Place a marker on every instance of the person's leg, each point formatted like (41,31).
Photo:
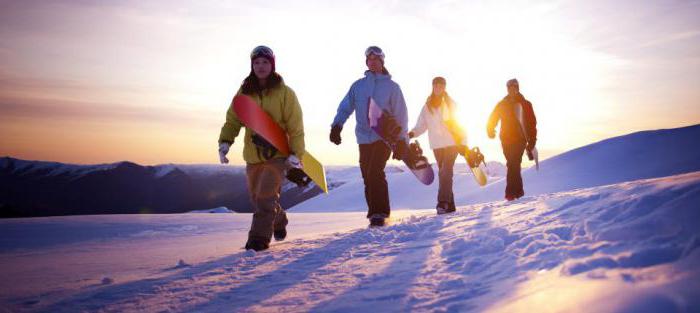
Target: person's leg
(373,160)
(514,157)
(265,180)
(365,157)
(440,160)
(447,174)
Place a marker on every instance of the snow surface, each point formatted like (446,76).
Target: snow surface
(628,247)
(635,156)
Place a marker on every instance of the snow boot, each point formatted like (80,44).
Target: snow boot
(257,244)
(377,220)
(280,234)
(444,208)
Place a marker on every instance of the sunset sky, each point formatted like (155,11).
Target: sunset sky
(150,81)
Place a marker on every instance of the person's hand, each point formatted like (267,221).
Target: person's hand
(531,145)
(223,151)
(491,133)
(335,134)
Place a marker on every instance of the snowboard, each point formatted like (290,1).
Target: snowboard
(474,158)
(521,120)
(423,171)
(255,118)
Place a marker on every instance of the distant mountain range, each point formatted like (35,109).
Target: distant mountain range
(36,188)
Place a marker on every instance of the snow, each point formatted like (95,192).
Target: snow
(610,227)
(624,247)
(635,156)
(222,209)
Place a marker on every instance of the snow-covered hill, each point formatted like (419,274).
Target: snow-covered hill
(628,247)
(639,155)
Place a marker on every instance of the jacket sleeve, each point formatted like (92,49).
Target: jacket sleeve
(530,122)
(494,118)
(232,126)
(294,122)
(421,124)
(346,108)
(399,110)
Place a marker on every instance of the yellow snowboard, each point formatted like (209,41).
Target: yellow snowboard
(314,169)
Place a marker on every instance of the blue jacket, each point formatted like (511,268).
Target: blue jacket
(385,92)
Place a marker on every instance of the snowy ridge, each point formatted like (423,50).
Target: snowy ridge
(618,248)
(635,156)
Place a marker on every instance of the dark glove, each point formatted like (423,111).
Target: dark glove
(335,134)
(401,150)
(411,135)
(390,127)
(491,133)
(531,145)
(298,177)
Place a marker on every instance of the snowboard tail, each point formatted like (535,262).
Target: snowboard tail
(255,118)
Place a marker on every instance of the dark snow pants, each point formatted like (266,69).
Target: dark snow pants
(514,156)
(264,183)
(445,158)
(373,158)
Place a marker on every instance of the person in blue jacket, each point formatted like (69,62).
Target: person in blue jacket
(374,153)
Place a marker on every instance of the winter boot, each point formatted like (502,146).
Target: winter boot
(453,207)
(377,220)
(444,208)
(257,244)
(280,234)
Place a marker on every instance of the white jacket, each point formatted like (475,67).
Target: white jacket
(435,123)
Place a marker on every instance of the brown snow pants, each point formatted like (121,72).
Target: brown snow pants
(264,183)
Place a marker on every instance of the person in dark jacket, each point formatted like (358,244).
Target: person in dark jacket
(518,134)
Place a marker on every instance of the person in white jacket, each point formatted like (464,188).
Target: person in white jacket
(438,118)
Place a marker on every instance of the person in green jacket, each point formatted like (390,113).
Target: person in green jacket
(265,166)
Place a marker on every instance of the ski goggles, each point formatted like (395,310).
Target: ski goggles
(376,51)
(262,51)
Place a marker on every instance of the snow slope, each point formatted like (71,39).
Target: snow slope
(639,155)
(627,247)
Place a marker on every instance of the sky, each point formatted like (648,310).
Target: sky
(150,82)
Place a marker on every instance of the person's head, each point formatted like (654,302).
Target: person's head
(262,71)
(513,87)
(439,84)
(262,62)
(374,58)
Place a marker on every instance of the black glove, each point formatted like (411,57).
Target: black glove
(401,150)
(390,127)
(335,134)
(531,145)
(297,176)
(411,135)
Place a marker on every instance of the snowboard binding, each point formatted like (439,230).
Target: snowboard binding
(420,160)
(475,157)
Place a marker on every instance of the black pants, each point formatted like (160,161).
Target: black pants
(514,156)
(373,157)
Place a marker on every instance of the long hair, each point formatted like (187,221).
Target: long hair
(433,102)
(251,84)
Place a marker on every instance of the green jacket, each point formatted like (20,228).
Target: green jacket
(282,105)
